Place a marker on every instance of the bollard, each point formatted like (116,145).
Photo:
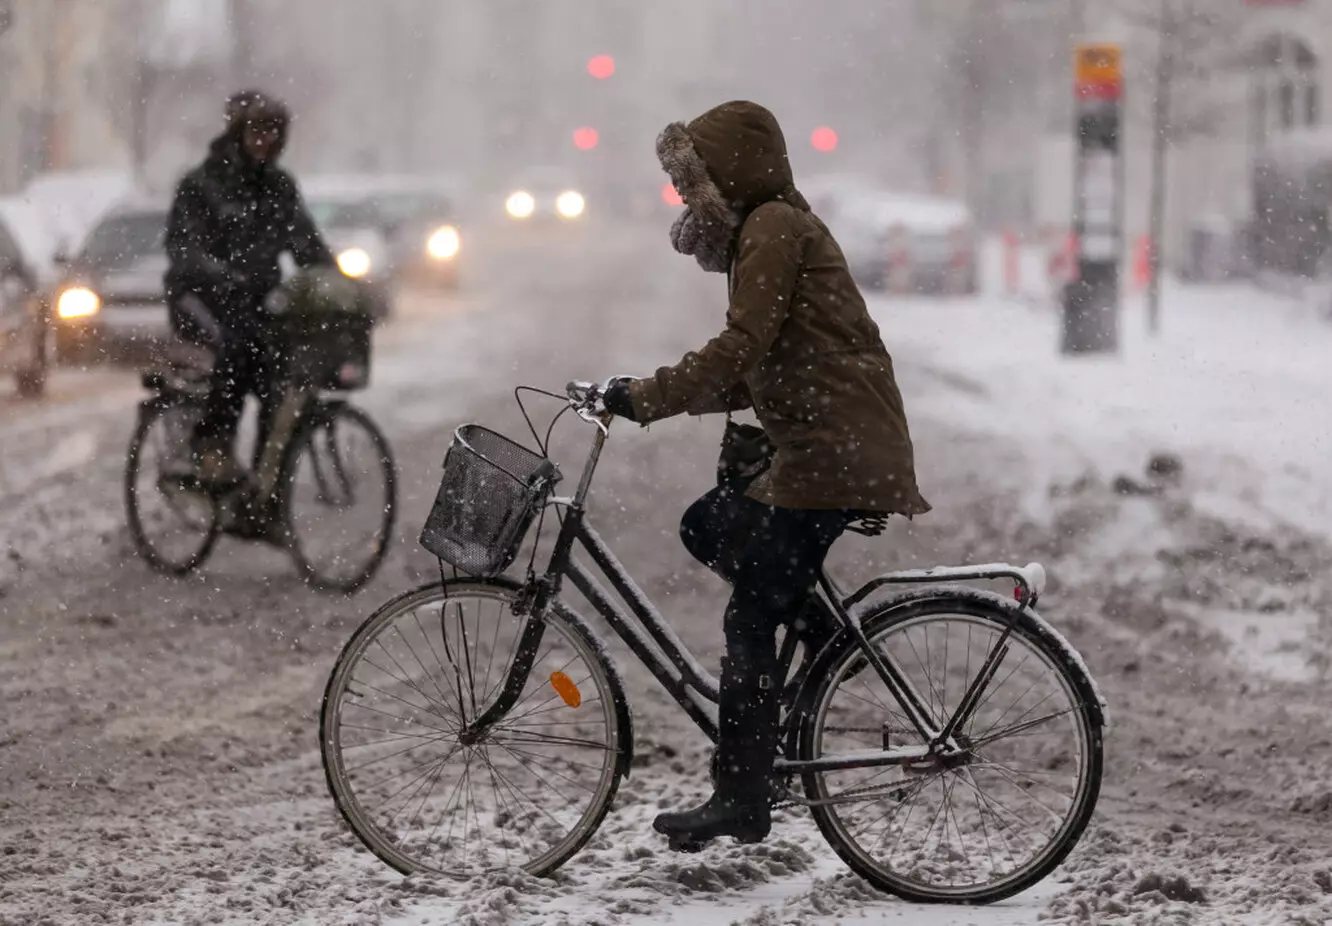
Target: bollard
(1142,262)
(1012,262)
(899,261)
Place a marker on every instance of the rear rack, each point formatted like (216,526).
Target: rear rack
(1029,580)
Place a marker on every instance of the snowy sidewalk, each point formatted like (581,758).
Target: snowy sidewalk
(1236,384)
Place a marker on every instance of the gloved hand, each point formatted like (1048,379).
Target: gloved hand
(617,400)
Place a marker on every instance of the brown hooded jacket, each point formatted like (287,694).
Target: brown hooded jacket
(799,346)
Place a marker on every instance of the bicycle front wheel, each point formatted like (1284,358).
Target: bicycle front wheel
(427,793)
(340,499)
(972,828)
(172,520)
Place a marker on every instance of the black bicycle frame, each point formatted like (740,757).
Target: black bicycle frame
(660,649)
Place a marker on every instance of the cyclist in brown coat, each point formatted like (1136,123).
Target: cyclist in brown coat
(801,350)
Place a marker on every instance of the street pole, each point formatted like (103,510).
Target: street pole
(1165,39)
(1091,302)
(973,114)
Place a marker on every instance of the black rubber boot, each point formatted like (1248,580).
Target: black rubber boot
(693,829)
(747,715)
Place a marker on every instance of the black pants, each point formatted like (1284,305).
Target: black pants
(242,365)
(772,557)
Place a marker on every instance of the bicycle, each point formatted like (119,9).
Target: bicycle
(522,696)
(324,469)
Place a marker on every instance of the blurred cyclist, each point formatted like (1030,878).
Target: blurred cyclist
(231,218)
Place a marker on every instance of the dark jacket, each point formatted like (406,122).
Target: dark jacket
(799,346)
(230,220)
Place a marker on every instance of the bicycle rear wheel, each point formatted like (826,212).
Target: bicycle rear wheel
(420,792)
(991,822)
(172,520)
(339,499)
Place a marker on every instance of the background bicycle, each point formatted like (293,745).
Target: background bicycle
(947,740)
(324,486)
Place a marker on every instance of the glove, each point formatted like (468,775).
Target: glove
(617,400)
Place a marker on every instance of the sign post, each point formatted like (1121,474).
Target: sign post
(1091,299)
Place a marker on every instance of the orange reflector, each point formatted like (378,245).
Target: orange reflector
(566,689)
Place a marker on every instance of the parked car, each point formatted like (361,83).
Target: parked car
(110,303)
(24,345)
(902,242)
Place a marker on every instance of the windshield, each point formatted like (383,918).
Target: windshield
(358,214)
(381,211)
(125,239)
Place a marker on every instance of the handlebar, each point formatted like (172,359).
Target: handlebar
(586,400)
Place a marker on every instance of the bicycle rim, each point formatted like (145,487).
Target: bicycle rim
(173,526)
(982,829)
(340,501)
(528,794)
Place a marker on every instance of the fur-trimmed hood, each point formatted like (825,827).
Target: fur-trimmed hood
(726,163)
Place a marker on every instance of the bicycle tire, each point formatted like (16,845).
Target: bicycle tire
(615,705)
(149,415)
(308,570)
(984,606)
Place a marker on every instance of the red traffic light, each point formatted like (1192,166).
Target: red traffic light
(585,138)
(823,139)
(601,66)
(670,196)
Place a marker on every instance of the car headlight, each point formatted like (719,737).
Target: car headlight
(78,302)
(520,204)
(354,262)
(570,204)
(443,243)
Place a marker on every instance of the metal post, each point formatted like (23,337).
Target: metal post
(1165,40)
(1091,302)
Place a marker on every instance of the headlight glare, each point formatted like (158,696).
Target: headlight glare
(520,204)
(78,302)
(443,243)
(570,204)
(354,262)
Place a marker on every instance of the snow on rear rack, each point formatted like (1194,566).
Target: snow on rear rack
(1029,580)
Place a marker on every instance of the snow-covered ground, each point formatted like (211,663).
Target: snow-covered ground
(1237,382)
(158,757)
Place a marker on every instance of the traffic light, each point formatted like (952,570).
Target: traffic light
(823,139)
(585,138)
(601,66)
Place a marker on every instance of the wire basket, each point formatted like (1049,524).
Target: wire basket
(491,491)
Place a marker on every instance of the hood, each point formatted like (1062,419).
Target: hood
(726,163)
(227,155)
(742,149)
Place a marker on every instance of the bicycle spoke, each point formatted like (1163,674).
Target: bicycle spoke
(1018,729)
(416,616)
(1008,776)
(365,707)
(426,710)
(523,757)
(404,679)
(391,755)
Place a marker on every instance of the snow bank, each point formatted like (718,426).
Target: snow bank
(1236,387)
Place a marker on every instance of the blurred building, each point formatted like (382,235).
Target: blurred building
(1258,73)
(54,88)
